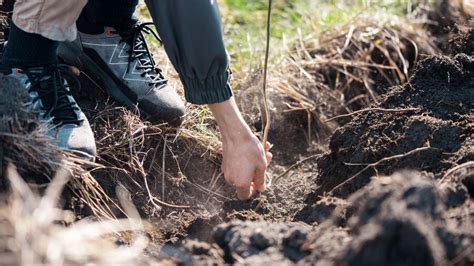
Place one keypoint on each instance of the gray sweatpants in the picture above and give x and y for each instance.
(190, 31)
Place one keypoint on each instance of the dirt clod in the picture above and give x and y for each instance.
(399, 220)
(463, 43)
(395, 220)
(440, 129)
(252, 241)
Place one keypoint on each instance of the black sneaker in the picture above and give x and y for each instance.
(121, 61)
(52, 101)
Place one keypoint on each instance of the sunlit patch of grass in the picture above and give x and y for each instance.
(244, 25)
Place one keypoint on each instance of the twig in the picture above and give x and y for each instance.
(454, 169)
(394, 157)
(298, 163)
(209, 191)
(153, 199)
(266, 129)
(374, 109)
(163, 166)
(349, 38)
(92, 80)
(460, 256)
(213, 183)
(343, 62)
(358, 97)
(153, 162)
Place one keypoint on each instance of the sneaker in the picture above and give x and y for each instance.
(121, 61)
(51, 99)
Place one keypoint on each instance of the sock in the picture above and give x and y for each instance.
(86, 26)
(28, 49)
(98, 14)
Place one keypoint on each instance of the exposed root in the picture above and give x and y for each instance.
(374, 165)
(402, 110)
(466, 165)
(275, 180)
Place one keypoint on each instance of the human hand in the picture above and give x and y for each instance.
(244, 158)
(244, 164)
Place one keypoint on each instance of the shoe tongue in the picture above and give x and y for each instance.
(86, 26)
(125, 25)
(47, 99)
(126, 29)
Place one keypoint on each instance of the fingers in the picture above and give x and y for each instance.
(268, 154)
(244, 192)
(268, 146)
(248, 189)
(269, 157)
(249, 179)
(253, 189)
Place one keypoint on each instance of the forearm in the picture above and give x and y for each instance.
(245, 160)
(230, 121)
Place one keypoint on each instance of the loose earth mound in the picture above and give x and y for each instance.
(422, 218)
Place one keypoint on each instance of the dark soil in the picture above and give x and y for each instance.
(449, 20)
(404, 218)
(463, 42)
(443, 128)
(441, 88)
(400, 220)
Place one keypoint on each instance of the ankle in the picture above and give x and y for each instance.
(28, 49)
(98, 14)
(87, 26)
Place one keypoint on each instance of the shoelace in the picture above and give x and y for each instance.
(139, 50)
(49, 83)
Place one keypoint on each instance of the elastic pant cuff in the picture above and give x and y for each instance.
(211, 90)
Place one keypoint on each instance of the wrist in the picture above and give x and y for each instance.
(232, 126)
(236, 132)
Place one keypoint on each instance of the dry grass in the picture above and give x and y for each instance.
(347, 67)
(149, 158)
(24, 142)
(38, 236)
(33, 228)
(22, 137)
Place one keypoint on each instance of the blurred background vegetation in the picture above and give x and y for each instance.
(244, 23)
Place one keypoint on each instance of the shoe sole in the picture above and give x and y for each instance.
(73, 55)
